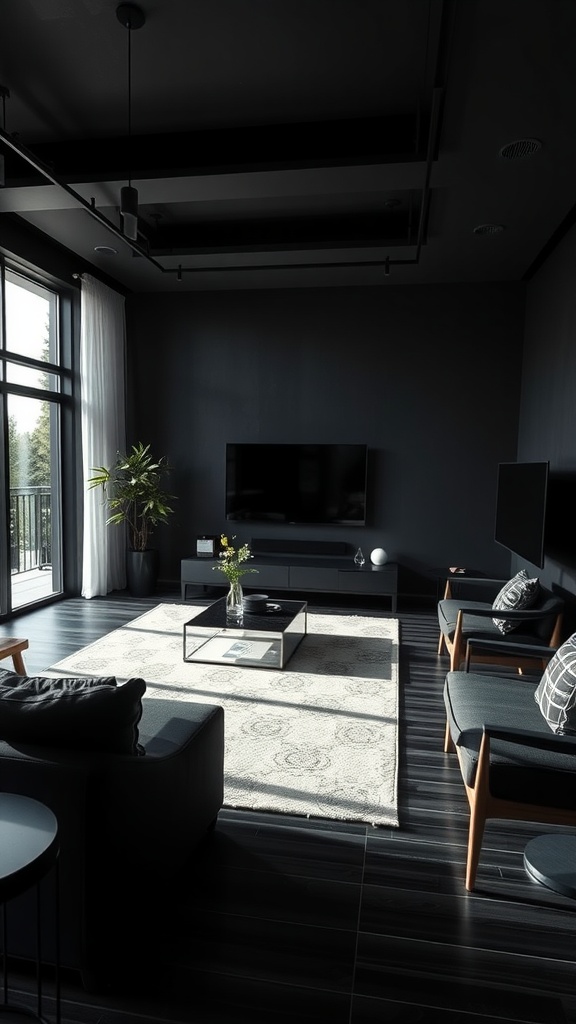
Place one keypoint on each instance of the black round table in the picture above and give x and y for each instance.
(29, 848)
(551, 860)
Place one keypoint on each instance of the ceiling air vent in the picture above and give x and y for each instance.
(488, 229)
(520, 148)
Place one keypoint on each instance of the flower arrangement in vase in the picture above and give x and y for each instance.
(231, 562)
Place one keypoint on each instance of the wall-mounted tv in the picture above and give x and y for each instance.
(297, 483)
(521, 509)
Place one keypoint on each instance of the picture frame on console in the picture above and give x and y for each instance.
(206, 546)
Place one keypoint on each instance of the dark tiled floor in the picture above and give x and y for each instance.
(288, 919)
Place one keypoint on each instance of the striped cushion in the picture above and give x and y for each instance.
(519, 592)
(556, 691)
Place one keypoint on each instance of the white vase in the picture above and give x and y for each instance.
(378, 557)
(235, 603)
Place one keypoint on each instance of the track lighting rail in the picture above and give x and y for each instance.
(47, 173)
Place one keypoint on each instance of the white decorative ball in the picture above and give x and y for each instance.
(378, 556)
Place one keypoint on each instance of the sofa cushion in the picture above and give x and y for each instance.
(86, 714)
(45, 683)
(519, 592)
(556, 692)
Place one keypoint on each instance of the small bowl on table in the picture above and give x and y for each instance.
(255, 604)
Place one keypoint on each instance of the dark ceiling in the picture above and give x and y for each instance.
(289, 143)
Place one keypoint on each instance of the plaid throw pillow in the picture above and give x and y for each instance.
(519, 592)
(556, 692)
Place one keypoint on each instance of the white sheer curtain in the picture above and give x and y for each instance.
(102, 387)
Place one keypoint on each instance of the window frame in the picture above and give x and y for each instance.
(64, 370)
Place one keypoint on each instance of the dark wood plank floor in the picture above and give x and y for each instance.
(288, 919)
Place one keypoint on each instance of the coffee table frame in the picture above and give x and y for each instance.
(272, 636)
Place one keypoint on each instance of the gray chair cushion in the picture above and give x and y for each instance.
(517, 772)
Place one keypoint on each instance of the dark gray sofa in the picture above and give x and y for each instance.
(129, 826)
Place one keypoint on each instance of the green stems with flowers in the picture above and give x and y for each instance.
(231, 561)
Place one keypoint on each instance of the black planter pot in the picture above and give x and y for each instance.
(142, 572)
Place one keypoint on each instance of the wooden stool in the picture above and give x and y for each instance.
(11, 646)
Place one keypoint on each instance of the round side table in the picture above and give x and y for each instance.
(551, 860)
(29, 848)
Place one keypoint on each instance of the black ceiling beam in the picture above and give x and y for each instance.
(362, 228)
(342, 143)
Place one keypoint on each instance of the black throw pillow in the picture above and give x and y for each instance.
(45, 683)
(82, 714)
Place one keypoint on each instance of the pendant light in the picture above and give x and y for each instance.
(132, 17)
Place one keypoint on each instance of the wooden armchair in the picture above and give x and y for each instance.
(522, 774)
(466, 613)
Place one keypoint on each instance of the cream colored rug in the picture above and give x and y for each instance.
(319, 738)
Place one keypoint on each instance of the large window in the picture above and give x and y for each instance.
(35, 386)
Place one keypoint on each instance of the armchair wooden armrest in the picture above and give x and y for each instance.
(529, 738)
(498, 647)
(520, 614)
(539, 652)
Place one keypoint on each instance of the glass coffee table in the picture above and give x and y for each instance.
(264, 640)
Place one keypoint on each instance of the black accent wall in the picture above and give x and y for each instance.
(428, 377)
(547, 421)
(441, 381)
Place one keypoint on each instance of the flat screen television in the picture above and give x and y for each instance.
(521, 509)
(297, 483)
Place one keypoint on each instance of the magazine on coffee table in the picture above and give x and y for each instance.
(238, 650)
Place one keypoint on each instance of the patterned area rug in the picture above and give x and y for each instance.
(319, 738)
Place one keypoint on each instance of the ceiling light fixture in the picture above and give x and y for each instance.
(132, 17)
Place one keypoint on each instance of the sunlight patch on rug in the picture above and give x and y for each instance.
(318, 738)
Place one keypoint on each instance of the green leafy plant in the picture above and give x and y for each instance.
(134, 493)
(231, 560)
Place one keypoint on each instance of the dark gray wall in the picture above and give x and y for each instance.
(547, 422)
(442, 382)
(428, 377)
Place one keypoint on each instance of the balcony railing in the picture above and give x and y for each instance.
(30, 528)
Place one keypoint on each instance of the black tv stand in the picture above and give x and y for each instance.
(305, 566)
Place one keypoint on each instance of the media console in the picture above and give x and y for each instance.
(294, 570)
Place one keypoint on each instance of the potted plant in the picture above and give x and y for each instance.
(135, 497)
